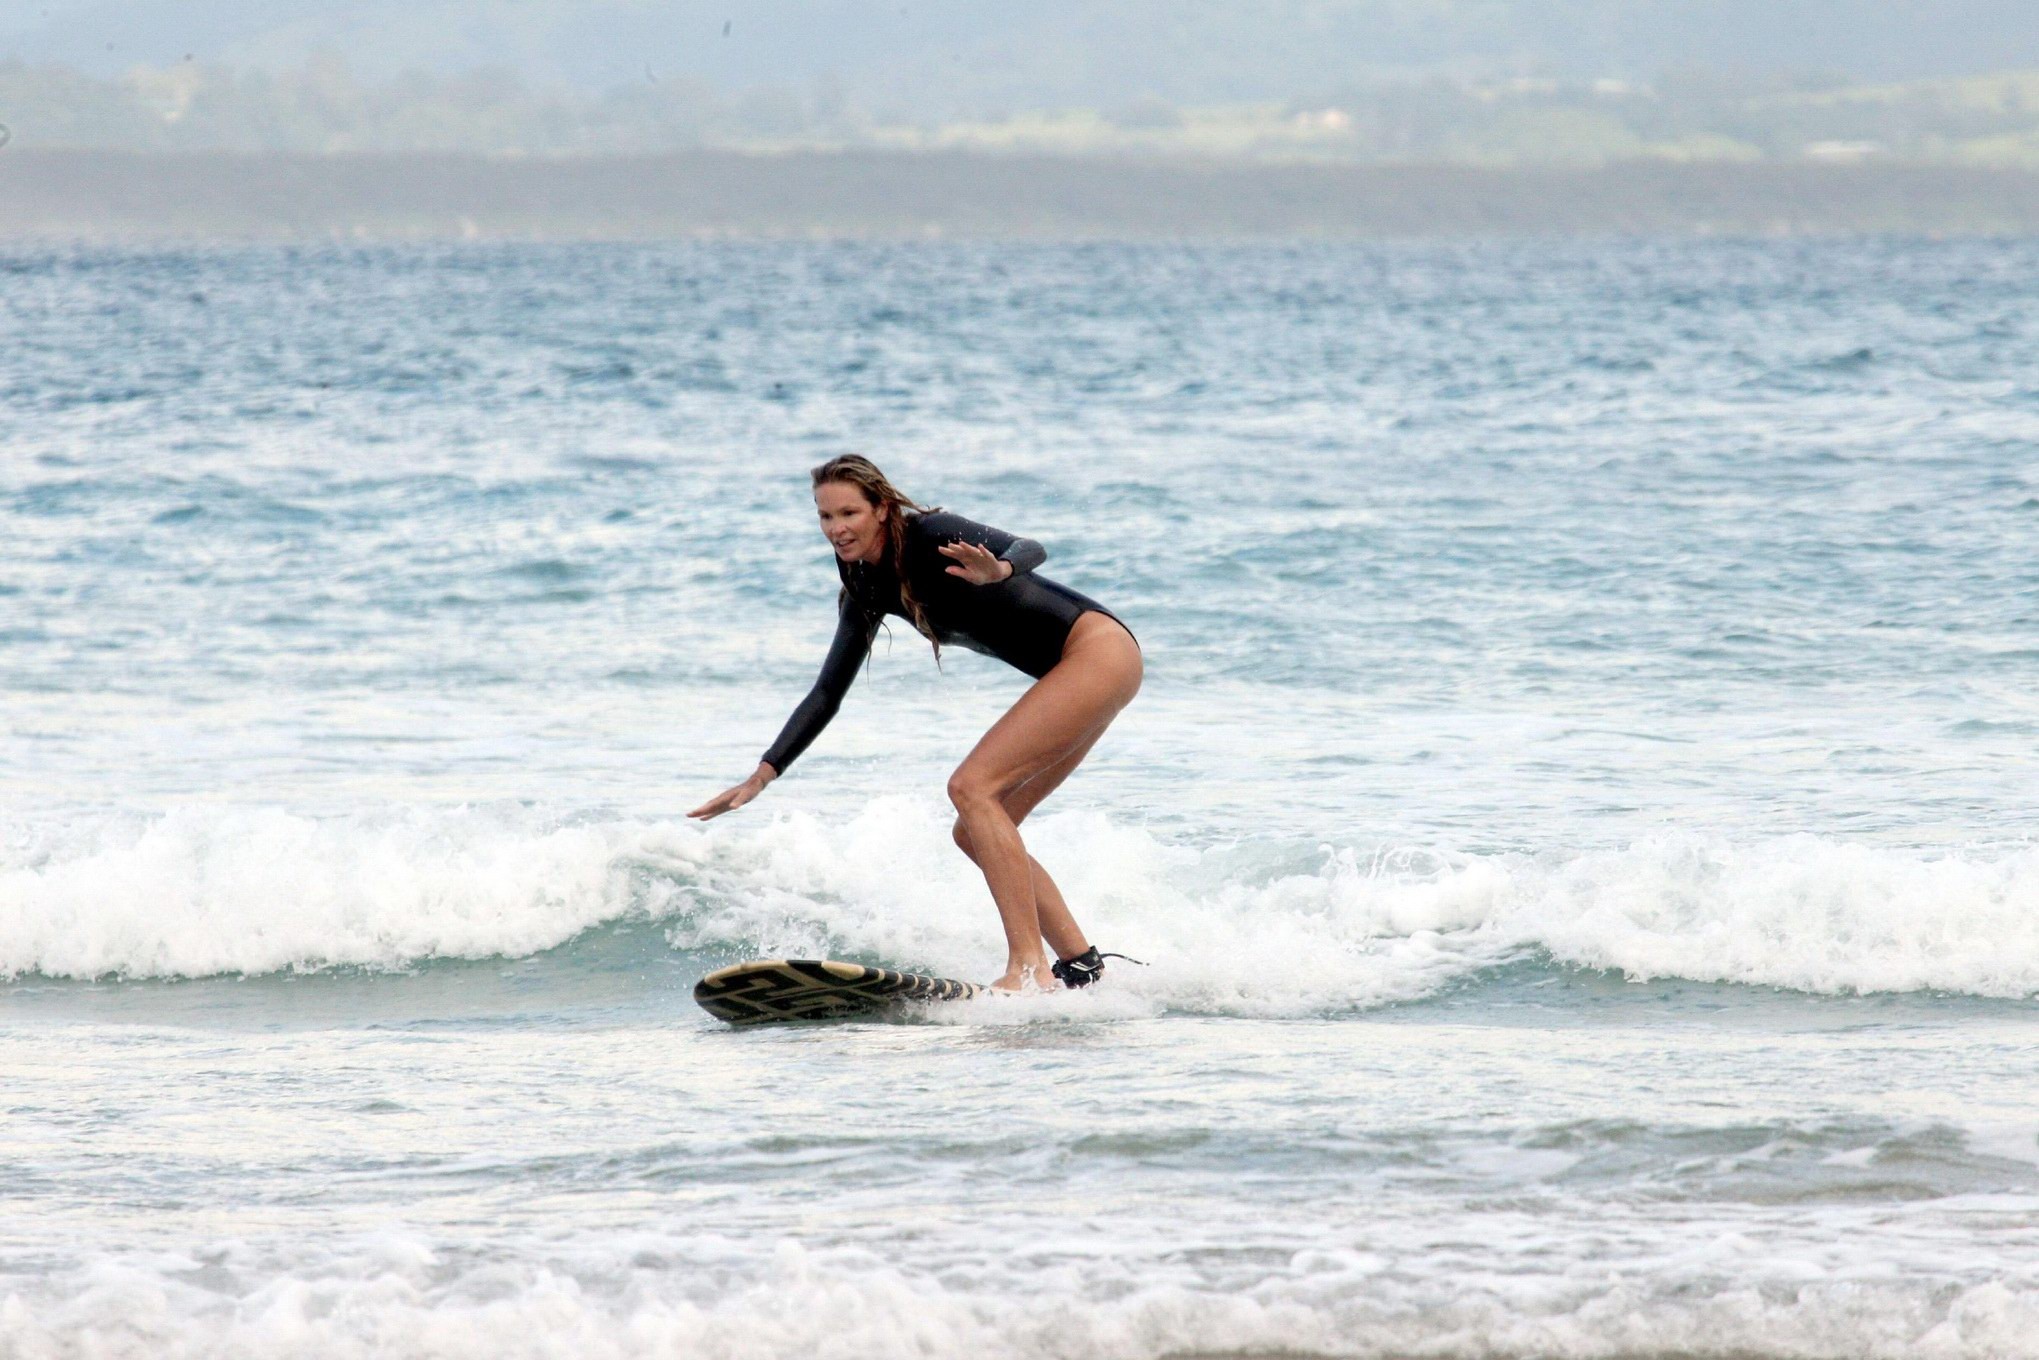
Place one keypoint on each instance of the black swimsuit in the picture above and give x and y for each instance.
(1022, 620)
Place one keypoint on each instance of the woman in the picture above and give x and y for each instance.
(971, 585)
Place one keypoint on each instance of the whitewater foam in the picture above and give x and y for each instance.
(1286, 930)
(201, 890)
(1406, 1289)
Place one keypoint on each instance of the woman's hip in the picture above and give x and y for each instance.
(1097, 640)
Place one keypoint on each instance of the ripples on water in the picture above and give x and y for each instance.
(1579, 814)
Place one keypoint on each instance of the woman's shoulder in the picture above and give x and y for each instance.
(933, 522)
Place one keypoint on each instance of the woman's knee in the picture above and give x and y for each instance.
(969, 792)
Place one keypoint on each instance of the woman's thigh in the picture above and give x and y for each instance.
(1028, 796)
(1046, 733)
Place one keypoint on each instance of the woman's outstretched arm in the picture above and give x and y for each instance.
(854, 629)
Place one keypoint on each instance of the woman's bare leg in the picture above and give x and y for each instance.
(1058, 926)
(1065, 709)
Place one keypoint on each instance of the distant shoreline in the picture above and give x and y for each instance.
(112, 197)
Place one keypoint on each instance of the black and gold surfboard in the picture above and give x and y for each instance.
(815, 989)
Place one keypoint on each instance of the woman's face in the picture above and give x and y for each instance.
(854, 526)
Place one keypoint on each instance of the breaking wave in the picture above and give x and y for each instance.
(1253, 928)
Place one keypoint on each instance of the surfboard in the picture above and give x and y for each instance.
(815, 989)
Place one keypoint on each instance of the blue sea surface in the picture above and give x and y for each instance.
(1579, 820)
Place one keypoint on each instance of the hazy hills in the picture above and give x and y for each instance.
(916, 60)
(580, 118)
(328, 106)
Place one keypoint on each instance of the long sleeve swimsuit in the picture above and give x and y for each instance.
(1022, 620)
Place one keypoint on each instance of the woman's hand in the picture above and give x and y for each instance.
(974, 564)
(730, 799)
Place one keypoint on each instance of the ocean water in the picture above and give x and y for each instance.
(1579, 823)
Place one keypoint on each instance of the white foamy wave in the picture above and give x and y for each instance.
(204, 890)
(1269, 929)
(398, 1295)
(1294, 929)
(1800, 912)
(1223, 933)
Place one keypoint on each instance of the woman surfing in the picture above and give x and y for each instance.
(970, 585)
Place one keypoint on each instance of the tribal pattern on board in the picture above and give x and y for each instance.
(815, 989)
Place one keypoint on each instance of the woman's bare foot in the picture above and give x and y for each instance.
(1028, 977)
